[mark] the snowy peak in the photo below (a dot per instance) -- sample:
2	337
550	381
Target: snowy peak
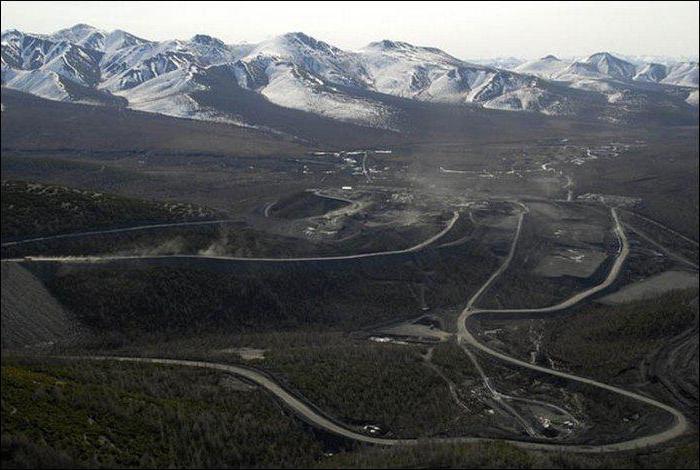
318	57
309	42
388	45
205	40
611	66
119	39
93	38
210	50
430	74
77	34
407	51
546	67
293	46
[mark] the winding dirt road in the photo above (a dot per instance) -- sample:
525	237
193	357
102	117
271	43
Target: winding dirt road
464	337
100	259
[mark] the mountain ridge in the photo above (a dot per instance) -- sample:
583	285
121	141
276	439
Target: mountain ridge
297	71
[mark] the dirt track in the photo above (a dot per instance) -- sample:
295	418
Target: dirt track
100	259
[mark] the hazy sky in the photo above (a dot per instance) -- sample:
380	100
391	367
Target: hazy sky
465	29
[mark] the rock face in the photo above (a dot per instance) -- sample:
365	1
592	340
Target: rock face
31	317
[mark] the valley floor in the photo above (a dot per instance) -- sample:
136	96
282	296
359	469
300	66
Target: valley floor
366	308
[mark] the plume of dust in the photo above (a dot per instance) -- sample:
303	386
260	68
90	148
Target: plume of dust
219	247
171	246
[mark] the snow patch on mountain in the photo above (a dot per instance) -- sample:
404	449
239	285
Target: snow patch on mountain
290	87
683	74
144	63
45	84
598	86
166	94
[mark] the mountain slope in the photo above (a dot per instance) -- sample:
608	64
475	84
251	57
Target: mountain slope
653	73
31	123
429	74
611	66
683	74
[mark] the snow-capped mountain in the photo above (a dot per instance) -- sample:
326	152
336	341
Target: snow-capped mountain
401	69
317	57
83	63
546	67
92	38
598	66
192	78
610	66
299	72
605	66
71	61
618	80
430	74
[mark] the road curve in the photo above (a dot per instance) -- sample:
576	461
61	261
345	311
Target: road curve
464	337
316	418
100	259
268	206
317	192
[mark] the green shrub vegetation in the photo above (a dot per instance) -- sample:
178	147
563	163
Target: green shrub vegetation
194	296
368	383
504	455
602	341
36	209
114	415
